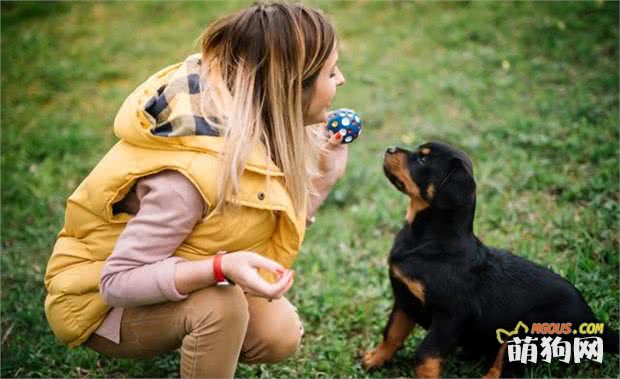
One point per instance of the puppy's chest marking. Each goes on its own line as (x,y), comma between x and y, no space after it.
(415,286)
(416,205)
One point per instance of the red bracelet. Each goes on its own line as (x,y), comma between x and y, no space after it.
(220,279)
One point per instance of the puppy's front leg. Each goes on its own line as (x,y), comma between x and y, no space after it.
(496,370)
(440,340)
(398,328)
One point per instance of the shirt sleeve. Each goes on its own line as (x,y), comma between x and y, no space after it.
(141,268)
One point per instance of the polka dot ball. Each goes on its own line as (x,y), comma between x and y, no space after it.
(345,119)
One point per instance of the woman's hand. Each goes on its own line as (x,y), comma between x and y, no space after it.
(241,267)
(333,159)
(332,164)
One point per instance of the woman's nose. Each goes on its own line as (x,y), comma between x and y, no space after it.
(341,79)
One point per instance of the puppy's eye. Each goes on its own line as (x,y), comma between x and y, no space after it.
(422,159)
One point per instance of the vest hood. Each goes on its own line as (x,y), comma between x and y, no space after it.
(164,113)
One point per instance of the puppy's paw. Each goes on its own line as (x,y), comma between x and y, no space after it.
(375,358)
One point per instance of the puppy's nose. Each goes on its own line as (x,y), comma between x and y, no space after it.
(391,150)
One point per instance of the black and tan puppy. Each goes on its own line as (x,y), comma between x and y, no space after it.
(446,280)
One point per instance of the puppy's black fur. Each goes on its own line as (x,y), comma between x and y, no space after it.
(446,280)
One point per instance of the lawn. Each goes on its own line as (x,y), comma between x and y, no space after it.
(529,90)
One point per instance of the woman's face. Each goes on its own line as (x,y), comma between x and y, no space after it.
(324,91)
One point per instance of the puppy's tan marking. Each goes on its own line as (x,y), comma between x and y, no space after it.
(415,286)
(425,151)
(495,371)
(398,330)
(430,191)
(397,165)
(430,368)
(415,205)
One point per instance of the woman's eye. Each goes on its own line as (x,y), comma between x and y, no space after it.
(332,75)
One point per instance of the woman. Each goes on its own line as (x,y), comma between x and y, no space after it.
(216,173)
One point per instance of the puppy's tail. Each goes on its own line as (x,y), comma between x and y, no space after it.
(610,340)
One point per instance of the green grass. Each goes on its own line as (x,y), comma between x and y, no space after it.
(529,90)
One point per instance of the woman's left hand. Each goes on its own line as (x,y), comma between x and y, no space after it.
(333,160)
(332,164)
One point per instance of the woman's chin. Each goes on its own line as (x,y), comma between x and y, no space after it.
(317,119)
(324,116)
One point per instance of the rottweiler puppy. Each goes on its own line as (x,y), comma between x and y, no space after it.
(446,280)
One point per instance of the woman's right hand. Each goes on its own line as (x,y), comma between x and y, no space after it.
(241,267)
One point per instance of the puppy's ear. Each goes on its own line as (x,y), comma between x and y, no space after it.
(458,188)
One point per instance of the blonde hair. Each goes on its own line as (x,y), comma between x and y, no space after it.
(260,66)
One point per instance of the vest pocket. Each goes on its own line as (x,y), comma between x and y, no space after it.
(79,279)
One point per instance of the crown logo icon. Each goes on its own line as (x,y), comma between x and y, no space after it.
(502,334)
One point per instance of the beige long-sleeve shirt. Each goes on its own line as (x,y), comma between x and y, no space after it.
(141,268)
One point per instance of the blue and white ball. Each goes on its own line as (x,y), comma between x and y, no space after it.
(347,119)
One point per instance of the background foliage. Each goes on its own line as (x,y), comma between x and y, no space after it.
(528,89)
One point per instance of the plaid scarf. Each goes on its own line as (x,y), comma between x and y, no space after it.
(176,107)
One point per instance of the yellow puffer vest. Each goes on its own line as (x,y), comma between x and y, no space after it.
(266,221)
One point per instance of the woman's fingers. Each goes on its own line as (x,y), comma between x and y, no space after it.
(259,261)
(256,284)
(247,276)
(280,287)
(289,284)
(335,139)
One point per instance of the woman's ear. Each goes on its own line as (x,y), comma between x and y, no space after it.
(458,188)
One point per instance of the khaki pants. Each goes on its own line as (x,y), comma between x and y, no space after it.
(214,327)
